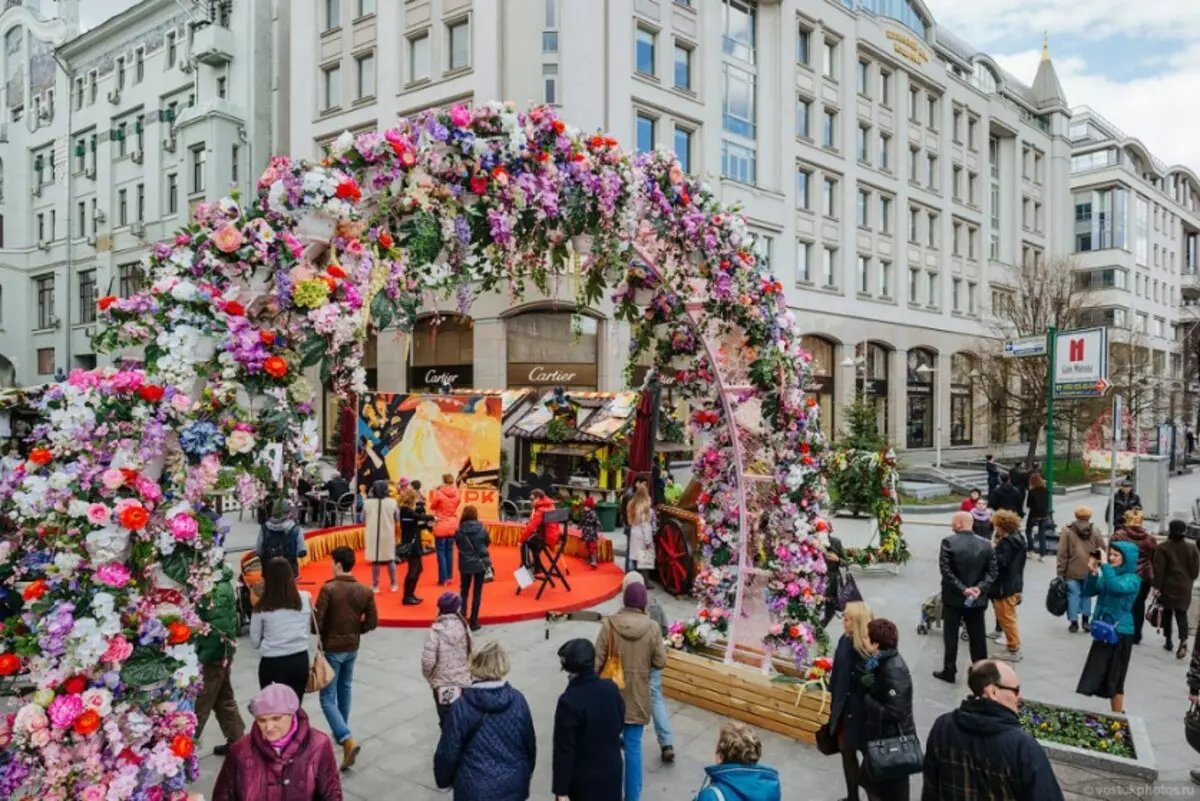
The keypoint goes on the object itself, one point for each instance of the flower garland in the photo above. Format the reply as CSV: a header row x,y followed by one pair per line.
x,y
108,544
875,476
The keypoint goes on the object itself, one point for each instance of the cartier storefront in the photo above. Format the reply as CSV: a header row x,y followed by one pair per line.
x,y
543,352
443,353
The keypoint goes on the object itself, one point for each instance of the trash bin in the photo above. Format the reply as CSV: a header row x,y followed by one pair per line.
x,y
607,512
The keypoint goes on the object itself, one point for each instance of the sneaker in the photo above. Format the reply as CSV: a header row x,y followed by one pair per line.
x,y
1074,627
668,754
1182,652
1008,656
944,675
395,588
476,627
375,590
995,635
350,749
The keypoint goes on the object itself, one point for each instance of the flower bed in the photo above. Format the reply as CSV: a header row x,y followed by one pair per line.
x,y
1090,731
873,477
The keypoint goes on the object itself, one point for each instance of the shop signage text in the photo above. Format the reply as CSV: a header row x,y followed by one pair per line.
x,y
908,47
458,376
551,375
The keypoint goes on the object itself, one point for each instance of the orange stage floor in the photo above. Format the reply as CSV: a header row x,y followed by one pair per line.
x,y
500,604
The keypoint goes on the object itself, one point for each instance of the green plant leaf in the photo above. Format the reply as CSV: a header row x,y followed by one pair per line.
x,y
177,565
312,352
381,310
147,666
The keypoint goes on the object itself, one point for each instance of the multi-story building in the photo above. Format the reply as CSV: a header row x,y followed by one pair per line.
x,y
892,173
1136,231
109,139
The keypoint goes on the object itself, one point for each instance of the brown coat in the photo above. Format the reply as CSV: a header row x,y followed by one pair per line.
x,y
1176,566
1145,542
1078,539
639,641
345,611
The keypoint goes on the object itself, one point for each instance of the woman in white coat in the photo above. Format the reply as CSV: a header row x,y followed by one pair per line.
x,y
380,515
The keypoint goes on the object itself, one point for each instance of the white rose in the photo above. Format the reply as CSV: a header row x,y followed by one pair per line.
x,y
184,291
342,144
240,442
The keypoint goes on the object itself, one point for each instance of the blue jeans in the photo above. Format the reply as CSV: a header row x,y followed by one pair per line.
x,y
658,709
633,761
1077,602
335,699
445,558
1040,525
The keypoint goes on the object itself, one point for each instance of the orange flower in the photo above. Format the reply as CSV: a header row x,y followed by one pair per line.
x,y
336,271
106,301
267,338
178,633
10,664
87,723
275,366
40,456
559,126
329,282
385,240
794,632
182,746
133,517
35,590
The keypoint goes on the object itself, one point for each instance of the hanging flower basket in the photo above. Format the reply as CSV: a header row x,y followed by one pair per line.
x,y
316,225
582,244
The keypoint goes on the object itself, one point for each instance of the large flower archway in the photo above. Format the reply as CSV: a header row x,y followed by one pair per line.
x,y
109,544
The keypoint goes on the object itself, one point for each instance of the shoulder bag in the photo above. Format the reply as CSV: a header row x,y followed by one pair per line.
x,y
489,573
320,673
404,548
612,669
1154,615
1105,629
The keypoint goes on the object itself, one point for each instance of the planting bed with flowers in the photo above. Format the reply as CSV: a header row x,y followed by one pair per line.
x,y
1100,733
108,539
871,478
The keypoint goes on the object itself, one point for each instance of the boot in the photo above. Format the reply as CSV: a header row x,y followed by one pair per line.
x,y
668,754
350,749
1087,626
1168,646
1182,652
1074,627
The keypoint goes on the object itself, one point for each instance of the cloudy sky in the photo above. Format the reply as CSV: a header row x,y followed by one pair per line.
x,y
1137,63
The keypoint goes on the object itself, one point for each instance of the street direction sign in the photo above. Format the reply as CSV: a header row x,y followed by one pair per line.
x,y
1025,346
1081,363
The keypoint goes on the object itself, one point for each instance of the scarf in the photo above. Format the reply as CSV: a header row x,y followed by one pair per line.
x,y
283,741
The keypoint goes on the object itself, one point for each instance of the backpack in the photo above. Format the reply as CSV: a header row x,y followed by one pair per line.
x,y
278,540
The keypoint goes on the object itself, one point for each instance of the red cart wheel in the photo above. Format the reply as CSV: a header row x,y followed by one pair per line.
x,y
673,558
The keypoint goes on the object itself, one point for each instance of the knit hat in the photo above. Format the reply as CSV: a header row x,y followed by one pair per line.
x,y
635,596
275,699
589,503
1134,517
448,603
1083,513
577,656
632,577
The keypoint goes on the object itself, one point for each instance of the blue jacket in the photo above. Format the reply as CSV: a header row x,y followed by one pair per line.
x,y
1117,589
733,782
487,749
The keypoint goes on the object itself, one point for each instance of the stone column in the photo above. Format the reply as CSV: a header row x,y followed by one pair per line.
x,y
898,398
491,353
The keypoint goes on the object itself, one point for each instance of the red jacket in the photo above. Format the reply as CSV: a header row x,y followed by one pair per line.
x,y
306,770
444,506
540,507
967,505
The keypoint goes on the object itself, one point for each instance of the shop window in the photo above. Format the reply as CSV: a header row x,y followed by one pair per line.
x,y
821,386
543,351
921,398
443,352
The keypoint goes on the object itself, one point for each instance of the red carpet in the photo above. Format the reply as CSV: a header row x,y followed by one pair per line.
x,y
500,604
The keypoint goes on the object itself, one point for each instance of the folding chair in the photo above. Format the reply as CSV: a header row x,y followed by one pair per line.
x,y
551,570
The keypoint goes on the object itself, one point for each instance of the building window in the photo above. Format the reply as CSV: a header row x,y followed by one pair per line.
x,y
172,193
914,285
864,77
829,129
550,83
331,87
932,231
121,151
914,217
885,152
120,73
914,100
885,215
956,182
956,295
365,66
885,88
645,133
972,197
551,13
738,162
139,65
45,361
171,42
549,41
956,239
129,279
829,60
333,14
864,274
683,148
122,207
971,292
803,112
87,296
829,267
932,172
221,86
644,52
914,160
94,215
804,46
829,197
740,35
141,202
366,7
683,67
459,35
864,143
956,127
81,218
41,227
803,178
739,113
45,301
418,58
199,157
885,279
863,209
931,279
803,274
972,127
933,113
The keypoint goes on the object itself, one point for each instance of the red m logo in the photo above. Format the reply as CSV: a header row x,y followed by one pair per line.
x,y
1075,350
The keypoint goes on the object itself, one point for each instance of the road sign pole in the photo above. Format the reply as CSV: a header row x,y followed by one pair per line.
x,y
1050,372
1112,473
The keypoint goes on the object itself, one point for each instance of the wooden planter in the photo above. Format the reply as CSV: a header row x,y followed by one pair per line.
x,y
742,692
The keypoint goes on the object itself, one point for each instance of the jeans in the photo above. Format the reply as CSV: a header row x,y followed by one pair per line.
x,y
658,710
445,558
633,761
335,698
1040,524
391,568
1077,602
468,579
972,617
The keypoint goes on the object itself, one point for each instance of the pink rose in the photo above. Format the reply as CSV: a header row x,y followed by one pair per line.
x,y
94,792
184,527
182,240
147,489
113,574
793,589
98,514
227,238
460,116
112,478
269,176
127,381
64,710
180,402
776,629
40,738
119,649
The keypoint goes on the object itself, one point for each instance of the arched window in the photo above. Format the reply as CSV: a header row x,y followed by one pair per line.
x,y
823,379
443,351
962,398
871,380
985,79
921,397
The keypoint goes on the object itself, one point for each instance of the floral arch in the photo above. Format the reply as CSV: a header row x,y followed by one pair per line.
x,y
109,543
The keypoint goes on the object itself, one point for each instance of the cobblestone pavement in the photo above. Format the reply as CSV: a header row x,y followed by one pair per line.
x,y
394,718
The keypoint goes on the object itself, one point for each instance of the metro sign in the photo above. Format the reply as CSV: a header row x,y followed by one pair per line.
x,y
1081,363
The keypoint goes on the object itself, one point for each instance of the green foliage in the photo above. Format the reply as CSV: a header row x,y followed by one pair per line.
x,y
558,430
861,432
147,666
855,488
1093,732
312,352
178,563
422,238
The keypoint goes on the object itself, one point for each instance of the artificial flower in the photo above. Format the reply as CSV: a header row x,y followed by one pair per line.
x,y
40,456
227,238
182,746
133,517
178,633
10,664
35,590
150,392
276,367
87,723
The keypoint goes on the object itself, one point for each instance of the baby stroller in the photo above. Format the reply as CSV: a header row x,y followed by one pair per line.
x,y
931,615
249,587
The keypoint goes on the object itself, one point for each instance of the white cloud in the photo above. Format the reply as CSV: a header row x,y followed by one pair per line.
x,y
988,22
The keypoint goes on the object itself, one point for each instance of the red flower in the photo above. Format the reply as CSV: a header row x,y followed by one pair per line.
x,y
558,126
133,517
824,663
40,456
234,308
541,155
385,240
329,282
106,301
348,190
267,338
129,474
596,141
129,756
87,723
150,392
178,633
610,141
804,448
685,197
275,366
10,664
75,685
336,271
577,157
182,746
794,632
35,590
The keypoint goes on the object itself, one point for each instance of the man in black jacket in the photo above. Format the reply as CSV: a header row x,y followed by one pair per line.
x,y
968,567
1125,500
1007,496
993,473
979,751
587,730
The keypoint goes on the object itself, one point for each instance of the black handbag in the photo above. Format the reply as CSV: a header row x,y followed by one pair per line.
x,y
827,743
891,758
848,592
1056,597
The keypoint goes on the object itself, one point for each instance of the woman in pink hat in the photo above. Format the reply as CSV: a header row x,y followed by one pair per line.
x,y
282,758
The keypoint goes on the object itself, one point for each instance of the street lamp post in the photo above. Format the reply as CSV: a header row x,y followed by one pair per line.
x,y
925,369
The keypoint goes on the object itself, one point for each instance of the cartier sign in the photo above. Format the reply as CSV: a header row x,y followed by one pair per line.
x,y
908,47
458,376
527,374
